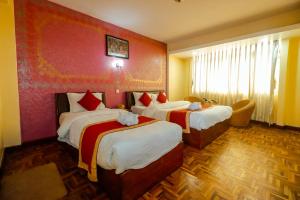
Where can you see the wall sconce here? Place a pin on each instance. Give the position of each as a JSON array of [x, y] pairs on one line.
[[118, 64]]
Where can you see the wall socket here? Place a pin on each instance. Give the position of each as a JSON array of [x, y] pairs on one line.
[[117, 91]]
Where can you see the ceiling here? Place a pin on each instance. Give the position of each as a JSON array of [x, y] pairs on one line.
[[282, 35], [167, 20]]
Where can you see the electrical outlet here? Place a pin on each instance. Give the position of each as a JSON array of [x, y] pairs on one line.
[[117, 91]]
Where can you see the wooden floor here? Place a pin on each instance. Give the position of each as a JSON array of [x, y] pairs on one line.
[[253, 163]]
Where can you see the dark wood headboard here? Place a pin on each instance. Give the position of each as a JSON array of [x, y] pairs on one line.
[[62, 103], [130, 98]]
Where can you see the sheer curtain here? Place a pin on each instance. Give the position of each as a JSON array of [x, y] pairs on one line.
[[239, 70]]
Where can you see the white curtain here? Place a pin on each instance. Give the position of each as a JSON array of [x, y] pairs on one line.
[[239, 70]]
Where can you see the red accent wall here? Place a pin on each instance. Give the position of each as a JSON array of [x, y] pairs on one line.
[[61, 50]]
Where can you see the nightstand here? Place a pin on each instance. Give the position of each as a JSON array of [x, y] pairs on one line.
[[121, 106]]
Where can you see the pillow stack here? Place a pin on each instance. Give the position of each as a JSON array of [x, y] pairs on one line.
[[88, 101], [147, 99]]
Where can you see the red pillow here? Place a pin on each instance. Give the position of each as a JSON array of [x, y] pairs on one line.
[[145, 99], [162, 98], [89, 101]]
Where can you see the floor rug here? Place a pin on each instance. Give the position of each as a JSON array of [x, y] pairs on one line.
[[41, 183]]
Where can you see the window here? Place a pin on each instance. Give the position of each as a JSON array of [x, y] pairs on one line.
[[238, 70]]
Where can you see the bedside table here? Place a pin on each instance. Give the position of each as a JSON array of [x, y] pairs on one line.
[[121, 106]]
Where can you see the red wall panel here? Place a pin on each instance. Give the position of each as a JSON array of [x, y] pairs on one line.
[[61, 50]]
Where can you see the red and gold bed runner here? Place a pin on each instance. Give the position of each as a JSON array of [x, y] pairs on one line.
[[182, 117], [91, 137]]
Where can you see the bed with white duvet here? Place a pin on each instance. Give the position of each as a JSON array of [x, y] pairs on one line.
[[199, 120], [122, 150]]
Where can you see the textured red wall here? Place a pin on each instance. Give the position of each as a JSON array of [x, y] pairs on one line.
[[60, 50]]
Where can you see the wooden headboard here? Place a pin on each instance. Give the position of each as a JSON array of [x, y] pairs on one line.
[[130, 98], [62, 103]]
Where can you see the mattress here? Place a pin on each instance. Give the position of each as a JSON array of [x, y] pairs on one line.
[[129, 149]]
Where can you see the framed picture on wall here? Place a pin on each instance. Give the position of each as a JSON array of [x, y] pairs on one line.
[[117, 47]]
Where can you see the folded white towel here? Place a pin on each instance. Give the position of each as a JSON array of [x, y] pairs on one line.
[[128, 118], [195, 106]]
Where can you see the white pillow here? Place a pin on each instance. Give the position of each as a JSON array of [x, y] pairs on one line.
[[75, 97], [137, 96], [154, 97]]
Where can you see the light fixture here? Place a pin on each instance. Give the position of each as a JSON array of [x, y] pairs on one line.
[[118, 64]]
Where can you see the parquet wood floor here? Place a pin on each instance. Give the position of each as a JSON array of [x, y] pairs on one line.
[[254, 163]]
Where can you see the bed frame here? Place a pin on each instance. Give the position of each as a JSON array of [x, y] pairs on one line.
[[196, 138], [132, 183], [201, 139]]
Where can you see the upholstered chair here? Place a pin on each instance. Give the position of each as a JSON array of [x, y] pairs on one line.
[[242, 112]]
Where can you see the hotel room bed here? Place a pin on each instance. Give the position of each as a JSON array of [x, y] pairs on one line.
[[129, 161], [205, 125]]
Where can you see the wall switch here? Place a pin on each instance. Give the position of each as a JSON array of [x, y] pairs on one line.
[[117, 91]]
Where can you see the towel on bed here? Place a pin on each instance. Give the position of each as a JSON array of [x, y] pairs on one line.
[[195, 106], [128, 118]]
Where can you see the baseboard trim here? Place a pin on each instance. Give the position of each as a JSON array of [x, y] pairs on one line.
[[30, 143], [23, 145], [2, 157], [1, 163], [293, 128]]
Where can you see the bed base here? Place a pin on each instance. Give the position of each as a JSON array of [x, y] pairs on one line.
[[133, 183], [200, 139]]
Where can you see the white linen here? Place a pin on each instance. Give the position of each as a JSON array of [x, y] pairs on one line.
[[171, 104], [198, 119], [209, 117], [75, 97], [138, 109], [154, 98], [195, 106], [130, 149], [128, 118]]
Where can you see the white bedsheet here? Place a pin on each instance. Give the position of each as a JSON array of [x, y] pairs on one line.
[[198, 119], [138, 109], [129, 149]]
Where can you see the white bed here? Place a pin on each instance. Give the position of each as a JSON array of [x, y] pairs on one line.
[[198, 119], [129, 149]]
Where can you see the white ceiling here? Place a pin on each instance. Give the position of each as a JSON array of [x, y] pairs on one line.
[[167, 20], [282, 35]]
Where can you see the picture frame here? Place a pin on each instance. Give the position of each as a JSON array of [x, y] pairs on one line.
[[117, 47]]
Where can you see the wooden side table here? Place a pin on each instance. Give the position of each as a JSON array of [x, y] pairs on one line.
[[121, 106]]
